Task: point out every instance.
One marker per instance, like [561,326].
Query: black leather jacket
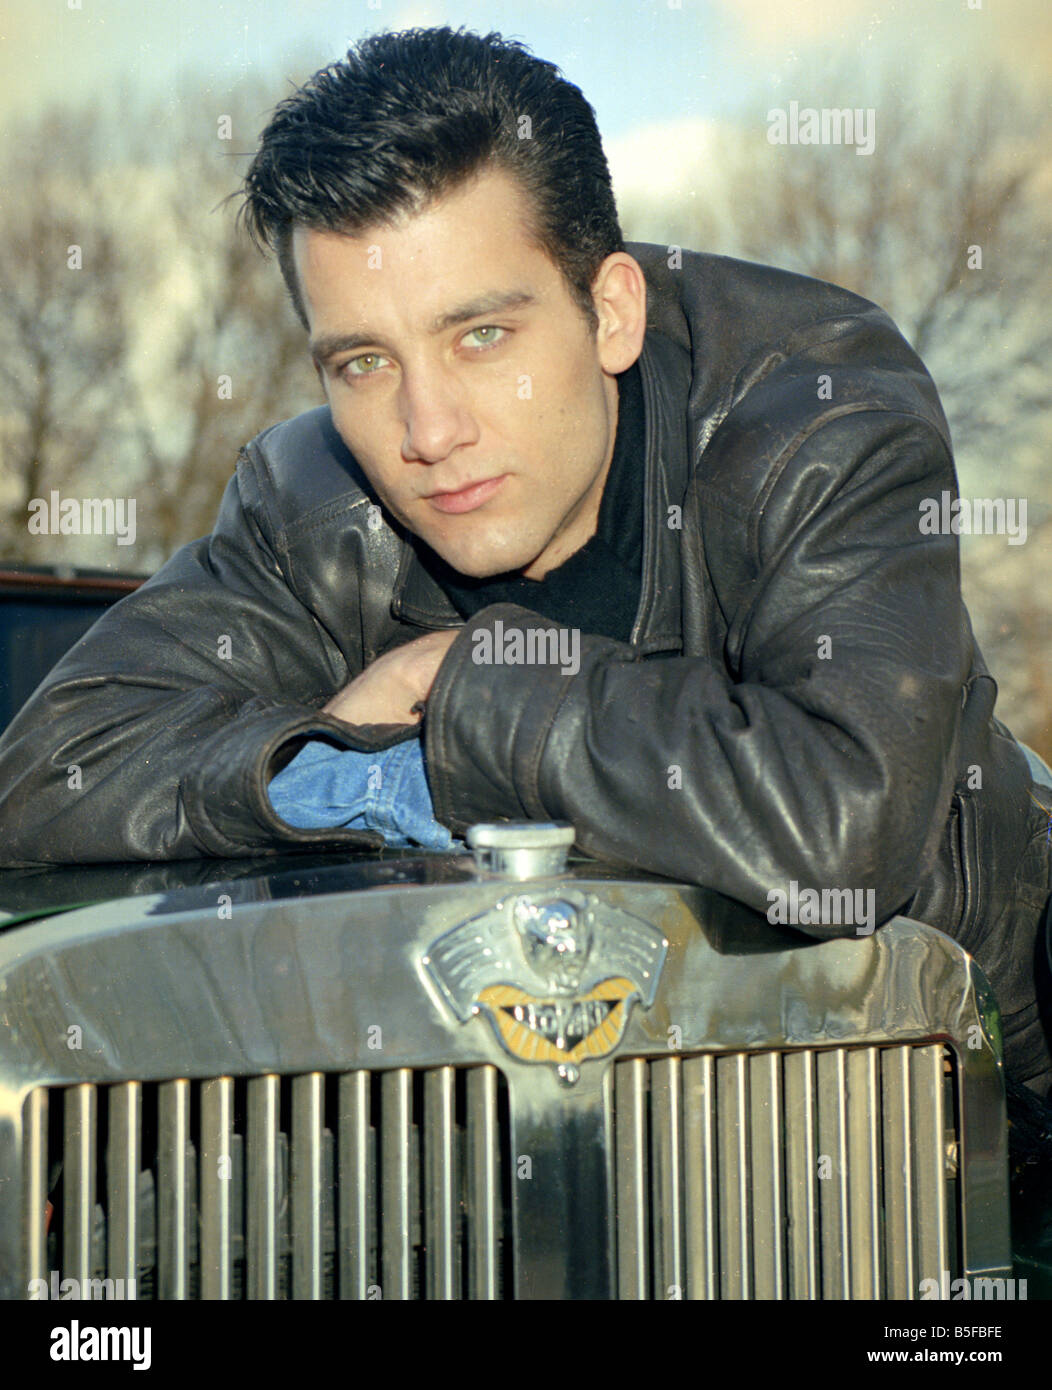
[728,744]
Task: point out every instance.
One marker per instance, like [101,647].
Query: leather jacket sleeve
[153,736]
[820,746]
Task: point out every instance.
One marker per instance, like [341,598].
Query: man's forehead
[359,285]
[485,220]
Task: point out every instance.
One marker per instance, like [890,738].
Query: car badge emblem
[556,976]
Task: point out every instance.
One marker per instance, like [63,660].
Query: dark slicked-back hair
[409,116]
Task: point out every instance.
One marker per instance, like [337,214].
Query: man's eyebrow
[496,302]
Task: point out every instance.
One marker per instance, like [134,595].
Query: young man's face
[465,380]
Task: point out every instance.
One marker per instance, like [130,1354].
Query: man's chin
[479,562]
[481,567]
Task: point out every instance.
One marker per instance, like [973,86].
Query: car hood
[182,885]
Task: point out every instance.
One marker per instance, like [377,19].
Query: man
[630,540]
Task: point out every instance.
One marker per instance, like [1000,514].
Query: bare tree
[946,225]
[236,358]
[144,372]
[61,325]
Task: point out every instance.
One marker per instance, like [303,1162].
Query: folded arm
[822,748]
[155,736]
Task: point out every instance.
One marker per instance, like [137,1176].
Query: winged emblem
[555,975]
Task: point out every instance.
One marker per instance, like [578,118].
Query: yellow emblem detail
[560,1029]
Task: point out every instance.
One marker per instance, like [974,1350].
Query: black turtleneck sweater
[597,588]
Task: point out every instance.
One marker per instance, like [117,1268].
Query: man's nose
[436,417]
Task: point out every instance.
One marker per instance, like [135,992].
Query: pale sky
[641,63]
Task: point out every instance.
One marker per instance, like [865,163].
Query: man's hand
[387,691]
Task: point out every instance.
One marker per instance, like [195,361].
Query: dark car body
[43,612]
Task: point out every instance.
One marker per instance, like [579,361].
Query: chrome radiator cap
[521,849]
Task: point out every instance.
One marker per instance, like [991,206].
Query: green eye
[490,331]
[365,365]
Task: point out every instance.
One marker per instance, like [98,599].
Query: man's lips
[467,498]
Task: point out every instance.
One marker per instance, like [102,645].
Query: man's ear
[619,293]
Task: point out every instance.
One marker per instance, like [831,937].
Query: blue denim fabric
[386,791]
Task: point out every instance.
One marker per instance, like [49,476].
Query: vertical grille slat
[800,1174]
[217,1175]
[699,1159]
[123,1161]
[864,1165]
[929,1126]
[833,1172]
[440,1214]
[898,1175]
[801,1170]
[356,1178]
[263,1193]
[732,1081]
[765,1114]
[396,1154]
[667,1163]
[34,1167]
[630,1157]
[484,1205]
[308,1260]
[79,1182]
[173,1188]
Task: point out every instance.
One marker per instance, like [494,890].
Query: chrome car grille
[360,1185]
[785,1120]
[769,1175]
[785,1175]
